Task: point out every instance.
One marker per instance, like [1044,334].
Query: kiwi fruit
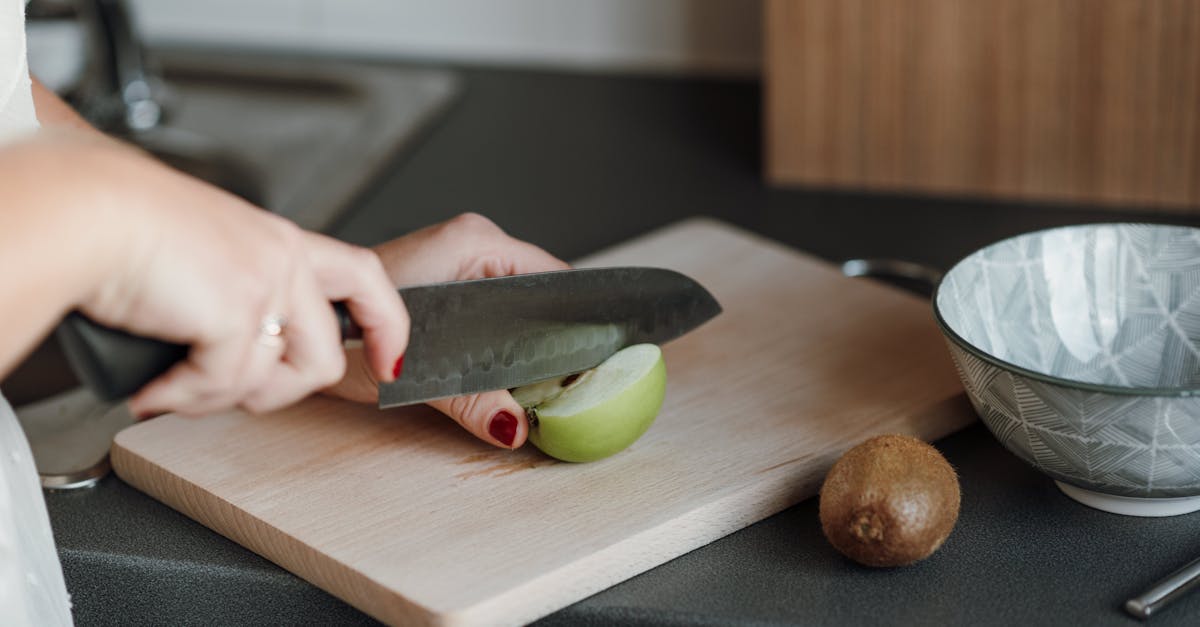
[890,501]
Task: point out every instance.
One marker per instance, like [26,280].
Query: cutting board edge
[205,507]
[670,539]
[705,524]
[702,224]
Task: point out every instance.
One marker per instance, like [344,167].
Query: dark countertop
[576,163]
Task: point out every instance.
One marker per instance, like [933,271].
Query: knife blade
[493,334]
[467,336]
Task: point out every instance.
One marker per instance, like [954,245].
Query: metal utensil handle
[897,268]
[114,364]
[1164,592]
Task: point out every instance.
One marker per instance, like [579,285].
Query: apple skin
[604,429]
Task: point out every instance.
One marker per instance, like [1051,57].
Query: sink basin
[312,132]
[206,159]
[301,137]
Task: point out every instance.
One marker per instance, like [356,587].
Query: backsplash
[674,36]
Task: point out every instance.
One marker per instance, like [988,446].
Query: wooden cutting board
[407,517]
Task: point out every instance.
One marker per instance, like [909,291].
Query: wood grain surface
[1093,101]
[406,516]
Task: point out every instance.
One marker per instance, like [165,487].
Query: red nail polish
[503,427]
[398,368]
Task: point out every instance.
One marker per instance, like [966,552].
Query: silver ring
[270,330]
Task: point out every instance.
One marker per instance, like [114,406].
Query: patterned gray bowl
[1080,349]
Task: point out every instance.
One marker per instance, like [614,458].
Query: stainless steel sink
[311,132]
[299,137]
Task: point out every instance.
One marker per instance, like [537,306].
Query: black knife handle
[346,325]
[114,364]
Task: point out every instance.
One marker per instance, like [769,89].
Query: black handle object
[346,325]
[114,364]
[915,277]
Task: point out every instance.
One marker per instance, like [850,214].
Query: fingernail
[503,427]
[146,415]
[398,368]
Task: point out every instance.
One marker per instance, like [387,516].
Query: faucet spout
[119,92]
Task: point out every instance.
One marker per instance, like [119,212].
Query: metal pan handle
[909,273]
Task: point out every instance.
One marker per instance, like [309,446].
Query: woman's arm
[53,111]
[48,250]
[90,224]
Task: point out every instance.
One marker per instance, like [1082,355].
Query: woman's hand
[467,247]
[163,255]
[211,270]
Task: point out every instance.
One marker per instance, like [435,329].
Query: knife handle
[115,364]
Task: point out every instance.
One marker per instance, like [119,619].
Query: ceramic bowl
[1080,349]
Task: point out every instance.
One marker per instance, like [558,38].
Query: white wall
[706,36]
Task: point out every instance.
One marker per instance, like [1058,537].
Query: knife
[466,337]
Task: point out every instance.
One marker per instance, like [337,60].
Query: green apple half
[599,412]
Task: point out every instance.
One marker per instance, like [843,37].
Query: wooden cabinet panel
[1092,101]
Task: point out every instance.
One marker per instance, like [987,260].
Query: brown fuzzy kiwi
[890,501]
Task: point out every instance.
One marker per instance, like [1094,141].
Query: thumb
[493,417]
[359,383]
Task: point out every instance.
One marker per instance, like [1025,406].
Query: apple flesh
[594,414]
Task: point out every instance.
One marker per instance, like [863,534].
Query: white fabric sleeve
[32,590]
[17,116]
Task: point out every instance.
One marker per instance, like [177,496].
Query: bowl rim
[952,335]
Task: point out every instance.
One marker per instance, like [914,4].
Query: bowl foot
[1131,505]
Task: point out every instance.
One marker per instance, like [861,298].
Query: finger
[257,365]
[312,359]
[509,258]
[493,417]
[355,275]
[206,381]
[466,247]
[265,356]
[358,384]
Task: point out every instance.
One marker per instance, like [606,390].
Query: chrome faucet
[119,91]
